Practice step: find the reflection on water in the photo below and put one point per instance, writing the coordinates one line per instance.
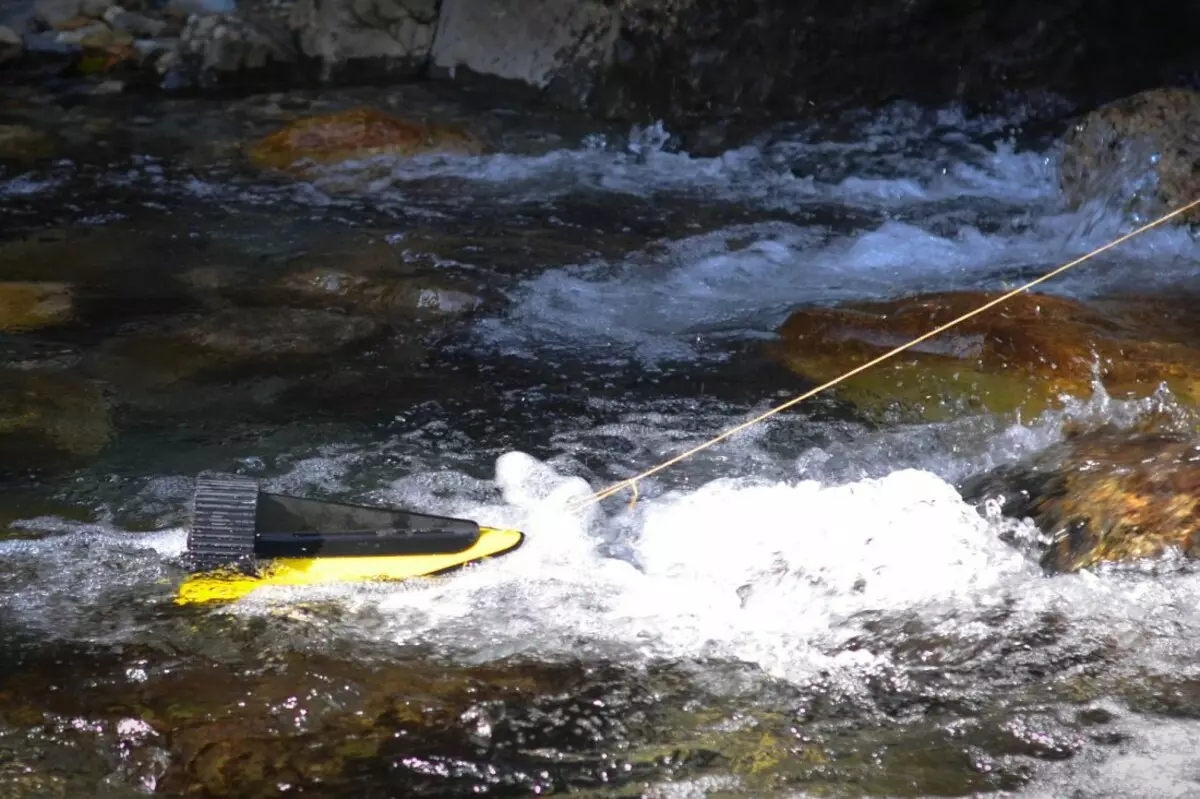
(809, 609)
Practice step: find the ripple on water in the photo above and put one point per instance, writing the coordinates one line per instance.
(843, 589)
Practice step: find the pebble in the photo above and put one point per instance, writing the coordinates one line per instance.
(110, 87)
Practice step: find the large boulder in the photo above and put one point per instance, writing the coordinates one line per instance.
(557, 45)
(1140, 153)
(354, 35)
(1021, 356)
(1103, 496)
(683, 58)
(355, 134)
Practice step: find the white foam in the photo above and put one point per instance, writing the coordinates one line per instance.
(671, 306)
(770, 574)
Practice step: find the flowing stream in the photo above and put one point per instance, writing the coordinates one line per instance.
(809, 609)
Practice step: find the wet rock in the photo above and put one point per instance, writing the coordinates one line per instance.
(109, 87)
(357, 133)
(267, 333)
(28, 306)
(395, 34)
(50, 420)
(137, 24)
(11, 46)
(97, 33)
(200, 7)
(1140, 153)
(23, 143)
(415, 297)
(52, 13)
(561, 42)
(214, 46)
(75, 23)
(332, 727)
(95, 8)
(682, 59)
(1021, 356)
(225, 339)
(1104, 496)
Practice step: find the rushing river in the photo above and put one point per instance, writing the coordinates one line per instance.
(809, 609)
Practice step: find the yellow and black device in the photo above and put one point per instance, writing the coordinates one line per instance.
(242, 539)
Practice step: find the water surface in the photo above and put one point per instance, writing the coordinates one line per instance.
(809, 609)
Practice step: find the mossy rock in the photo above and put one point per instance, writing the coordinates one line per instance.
(1104, 496)
(415, 298)
(188, 347)
(33, 305)
(355, 134)
(1140, 151)
(23, 143)
(50, 419)
(1023, 356)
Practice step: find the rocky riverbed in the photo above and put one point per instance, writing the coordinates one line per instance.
(967, 572)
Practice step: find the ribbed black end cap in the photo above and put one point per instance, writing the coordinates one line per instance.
(223, 521)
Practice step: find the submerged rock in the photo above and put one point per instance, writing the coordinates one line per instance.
(406, 297)
(1141, 152)
(1104, 496)
(11, 46)
(357, 133)
(27, 306)
(187, 347)
(1021, 356)
(336, 727)
(50, 420)
(23, 143)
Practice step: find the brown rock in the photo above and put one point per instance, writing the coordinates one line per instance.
(1104, 496)
(12, 46)
(74, 23)
(408, 297)
(26, 306)
(22, 143)
(1142, 151)
(358, 133)
(1019, 356)
(187, 347)
(50, 419)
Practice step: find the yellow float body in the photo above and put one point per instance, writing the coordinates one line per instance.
(229, 585)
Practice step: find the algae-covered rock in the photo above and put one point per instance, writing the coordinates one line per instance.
(50, 419)
(1141, 151)
(23, 143)
(1021, 356)
(32, 305)
(357, 133)
(408, 297)
(186, 347)
(1104, 496)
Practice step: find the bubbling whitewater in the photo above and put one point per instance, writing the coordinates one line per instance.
(815, 556)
